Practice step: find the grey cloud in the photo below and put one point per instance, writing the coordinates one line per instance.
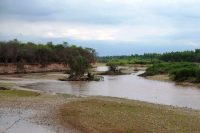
(79, 11)
(96, 12)
(182, 15)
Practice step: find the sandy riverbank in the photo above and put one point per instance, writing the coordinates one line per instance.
(65, 113)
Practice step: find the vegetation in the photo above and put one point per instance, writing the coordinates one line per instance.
(123, 116)
(178, 71)
(18, 52)
(180, 66)
(78, 66)
(113, 66)
(133, 59)
(18, 93)
(150, 58)
(77, 58)
(187, 56)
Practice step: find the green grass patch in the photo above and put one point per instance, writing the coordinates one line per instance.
(18, 93)
(95, 115)
(6, 84)
(65, 95)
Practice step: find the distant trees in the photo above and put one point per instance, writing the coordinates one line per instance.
(131, 59)
(189, 56)
(149, 58)
(18, 52)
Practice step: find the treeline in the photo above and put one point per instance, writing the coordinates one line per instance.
(187, 56)
(148, 58)
(18, 52)
(131, 59)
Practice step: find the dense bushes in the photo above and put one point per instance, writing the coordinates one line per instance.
(179, 71)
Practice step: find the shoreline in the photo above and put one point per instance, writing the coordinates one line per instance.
(56, 104)
(166, 78)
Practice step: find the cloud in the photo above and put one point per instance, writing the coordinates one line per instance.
(163, 22)
(122, 33)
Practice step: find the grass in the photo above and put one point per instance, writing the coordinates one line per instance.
(18, 93)
(99, 116)
(5, 84)
(65, 95)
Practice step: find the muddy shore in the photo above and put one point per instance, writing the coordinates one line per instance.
(62, 113)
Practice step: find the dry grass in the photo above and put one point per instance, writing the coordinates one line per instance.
(99, 115)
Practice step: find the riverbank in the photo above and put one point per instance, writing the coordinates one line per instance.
(105, 114)
(166, 78)
(12, 68)
(27, 111)
(66, 113)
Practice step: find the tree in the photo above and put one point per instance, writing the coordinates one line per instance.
(113, 66)
(78, 67)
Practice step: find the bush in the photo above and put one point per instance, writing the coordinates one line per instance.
(183, 74)
(113, 65)
(179, 71)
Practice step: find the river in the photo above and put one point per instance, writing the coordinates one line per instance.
(123, 86)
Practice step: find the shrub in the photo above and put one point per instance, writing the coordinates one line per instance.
(179, 71)
(183, 74)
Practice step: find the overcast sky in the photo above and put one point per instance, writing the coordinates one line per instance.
(112, 27)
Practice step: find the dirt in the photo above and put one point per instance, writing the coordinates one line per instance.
(12, 68)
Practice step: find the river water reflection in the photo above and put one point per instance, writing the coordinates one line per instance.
(127, 86)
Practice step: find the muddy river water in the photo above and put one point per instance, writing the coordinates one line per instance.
(123, 86)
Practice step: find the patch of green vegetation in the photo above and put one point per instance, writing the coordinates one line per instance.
(113, 68)
(97, 115)
(147, 58)
(18, 93)
(178, 71)
(125, 62)
(6, 84)
(65, 95)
